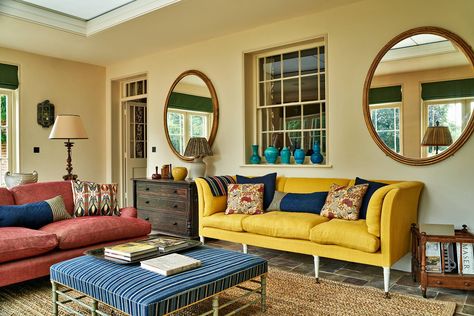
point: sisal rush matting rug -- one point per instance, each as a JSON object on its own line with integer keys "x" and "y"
{"x": 288, "y": 294}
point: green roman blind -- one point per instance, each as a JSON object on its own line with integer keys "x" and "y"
{"x": 8, "y": 76}
{"x": 385, "y": 95}
{"x": 188, "y": 102}
{"x": 447, "y": 89}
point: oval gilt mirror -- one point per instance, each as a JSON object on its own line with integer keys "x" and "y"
{"x": 419, "y": 96}
{"x": 192, "y": 110}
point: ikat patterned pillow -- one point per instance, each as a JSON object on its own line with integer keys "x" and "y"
{"x": 94, "y": 199}
{"x": 344, "y": 202}
{"x": 245, "y": 199}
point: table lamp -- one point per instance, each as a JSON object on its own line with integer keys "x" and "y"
{"x": 197, "y": 147}
{"x": 437, "y": 136}
{"x": 68, "y": 126}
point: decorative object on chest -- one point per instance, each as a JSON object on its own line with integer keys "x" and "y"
{"x": 170, "y": 206}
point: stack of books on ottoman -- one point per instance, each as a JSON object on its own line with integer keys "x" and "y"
{"x": 131, "y": 251}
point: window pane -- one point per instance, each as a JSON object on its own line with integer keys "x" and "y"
{"x": 273, "y": 92}
{"x": 291, "y": 90}
{"x": 385, "y": 119}
{"x": 261, "y": 92}
{"x": 175, "y": 123}
{"x": 261, "y": 62}
{"x": 309, "y": 88}
{"x": 295, "y": 139}
{"x": 293, "y": 117}
{"x": 388, "y": 138}
{"x": 273, "y": 67}
{"x": 3, "y": 110}
{"x": 323, "y": 115}
{"x": 322, "y": 62}
{"x": 198, "y": 126}
{"x": 272, "y": 119}
{"x": 309, "y": 61}
{"x": 177, "y": 142}
{"x": 309, "y": 138}
{"x": 290, "y": 64}
{"x": 312, "y": 116}
{"x": 322, "y": 87}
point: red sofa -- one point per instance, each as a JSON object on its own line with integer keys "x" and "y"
{"x": 27, "y": 253}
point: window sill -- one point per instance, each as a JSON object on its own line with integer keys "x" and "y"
{"x": 279, "y": 165}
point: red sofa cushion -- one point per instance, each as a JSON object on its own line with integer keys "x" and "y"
{"x": 6, "y": 197}
{"x": 35, "y": 192}
{"x": 19, "y": 242}
{"x": 84, "y": 231}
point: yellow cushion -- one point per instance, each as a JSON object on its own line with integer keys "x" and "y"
{"x": 282, "y": 224}
{"x": 231, "y": 222}
{"x": 350, "y": 234}
{"x": 309, "y": 185}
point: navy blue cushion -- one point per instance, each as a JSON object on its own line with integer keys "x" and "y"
{"x": 268, "y": 181}
{"x": 33, "y": 215}
{"x": 373, "y": 186}
{"x": 303, "y": 202}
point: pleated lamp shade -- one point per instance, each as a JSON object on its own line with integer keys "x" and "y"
{"x": 437, "y": 136}
{"x": 198, "y": 147}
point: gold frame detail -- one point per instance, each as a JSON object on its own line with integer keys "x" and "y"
{"x": 465, "y": 48}
{"x": 215, "y": 110}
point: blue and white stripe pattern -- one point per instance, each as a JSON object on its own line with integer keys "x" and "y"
{"x": 139, "y": 292}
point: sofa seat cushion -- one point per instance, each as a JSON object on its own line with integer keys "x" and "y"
{"x": 220, "y": 220}
{"x": 283, "y": 224}
{"x": 350, "y": 234}
{"x": 84, "y": 231}
{"x": 19, "y": 242}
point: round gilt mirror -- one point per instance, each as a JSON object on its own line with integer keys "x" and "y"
{"x": 419, "y": 96}
{"x": 191, "y": 110}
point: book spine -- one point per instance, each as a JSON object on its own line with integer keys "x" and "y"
{"x": 467, "y": 257}
{"x": 118, "y": 257}
{"x": 183, "y": 268}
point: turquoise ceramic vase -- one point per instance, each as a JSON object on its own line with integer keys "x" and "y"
{"x": 316, "y": 157}
{"x": 299, "y": 156}
{"x": 285, "y": 155}
{"x": 271, "y": 154}
{"x": 255, "y": 158}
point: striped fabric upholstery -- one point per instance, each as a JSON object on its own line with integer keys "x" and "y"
{"x": 218, "y": 184}
{"x": 139, "y": 292}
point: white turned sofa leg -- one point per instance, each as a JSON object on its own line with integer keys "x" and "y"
{"x": 316, "y": 268}
{"x": 201, "y": 239}
{"x": 244, "y": 248}
{"x": 386, "y": 281}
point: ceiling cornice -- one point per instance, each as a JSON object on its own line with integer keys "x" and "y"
{"x": 73, "y": 25}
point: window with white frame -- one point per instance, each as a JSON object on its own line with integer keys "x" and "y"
{"x": 182, "y": 125}
{"x": 386, "y": 121}
{"x": 6, "y": 133}
{"x": 453, "y": 113}
{"x": 291, "y": 97}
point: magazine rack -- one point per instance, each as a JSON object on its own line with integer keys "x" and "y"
{"x": 457, "y": 280}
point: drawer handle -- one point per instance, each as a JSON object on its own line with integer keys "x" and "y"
{"x": 175, "y": 191}
{"x": 147, "y": 218}
{"x": 175, "y": 206}
{"x": 147, "y": 189}
{"x": 147, "y": 202}
{"x": 175, "y": 224}
{"x": 438, "y": 282}
{"x": 467, "y": 284}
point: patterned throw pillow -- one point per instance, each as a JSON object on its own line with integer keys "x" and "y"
{"x": 94, "y": 199}
{"x": 244, "y": 199}
{"x": 344, "y": 202}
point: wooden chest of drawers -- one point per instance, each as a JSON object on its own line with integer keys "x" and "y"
{"x": 170, "y": 206}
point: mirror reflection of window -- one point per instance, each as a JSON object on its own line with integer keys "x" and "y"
{"x": 386, "y": 121}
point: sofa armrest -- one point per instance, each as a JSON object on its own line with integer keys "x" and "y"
{"x": 208, "y": 204}
{"x": 399, "y": 211}
{"x": 128, "y": 212}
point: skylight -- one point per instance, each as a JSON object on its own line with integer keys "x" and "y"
{"x": 83, "y": 9}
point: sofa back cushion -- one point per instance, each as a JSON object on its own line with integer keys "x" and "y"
{"x": 35, "y": 192}
{"x": 309, "y": 185}
{"x": 6, "y": 197}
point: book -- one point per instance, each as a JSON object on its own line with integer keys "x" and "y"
{"x": 130, "y": 249}
{"x": 433, "y": 257}
{"x": 170, "y": 264}
{"x": 450, "y": 258}
{"x": 466, "y": 255}
{"x": 437, "y": 229}
{"x": 166, "y": 244}
{"x": 130, "y": 258}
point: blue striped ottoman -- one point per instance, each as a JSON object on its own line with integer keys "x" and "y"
{"x": 139, "y": 292}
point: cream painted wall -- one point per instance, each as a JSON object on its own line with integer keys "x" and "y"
{"x": 73, "y": 88}
{"x": 355, "y": 35}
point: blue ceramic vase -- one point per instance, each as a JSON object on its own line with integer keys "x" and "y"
{"x": 271, "y": 154}
{"x": 255, "y": 158}
{"x": 316, "y": 157}
{"x": 285, "y": 155}
{"x": 299, "y": 156}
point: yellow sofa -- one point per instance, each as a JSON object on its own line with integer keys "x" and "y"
{"x": 380, "y": 240}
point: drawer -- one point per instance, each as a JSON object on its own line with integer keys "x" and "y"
{"x": 157, "y": 189}
{"x": 166, "y": 223}
{"x": 451, "y": 281}
{"x": 153, "y": 203}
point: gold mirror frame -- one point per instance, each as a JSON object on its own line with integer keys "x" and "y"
{"x": 215, "y": 110}
{"x": 468, "y": 52}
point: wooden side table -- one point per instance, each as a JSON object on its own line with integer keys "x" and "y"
{"x": 443, "y": 279}
{"x": 170, "y": 206}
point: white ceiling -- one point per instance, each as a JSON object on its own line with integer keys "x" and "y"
{"x": 198, "y": 20}
{"x": 83, "y": 9}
